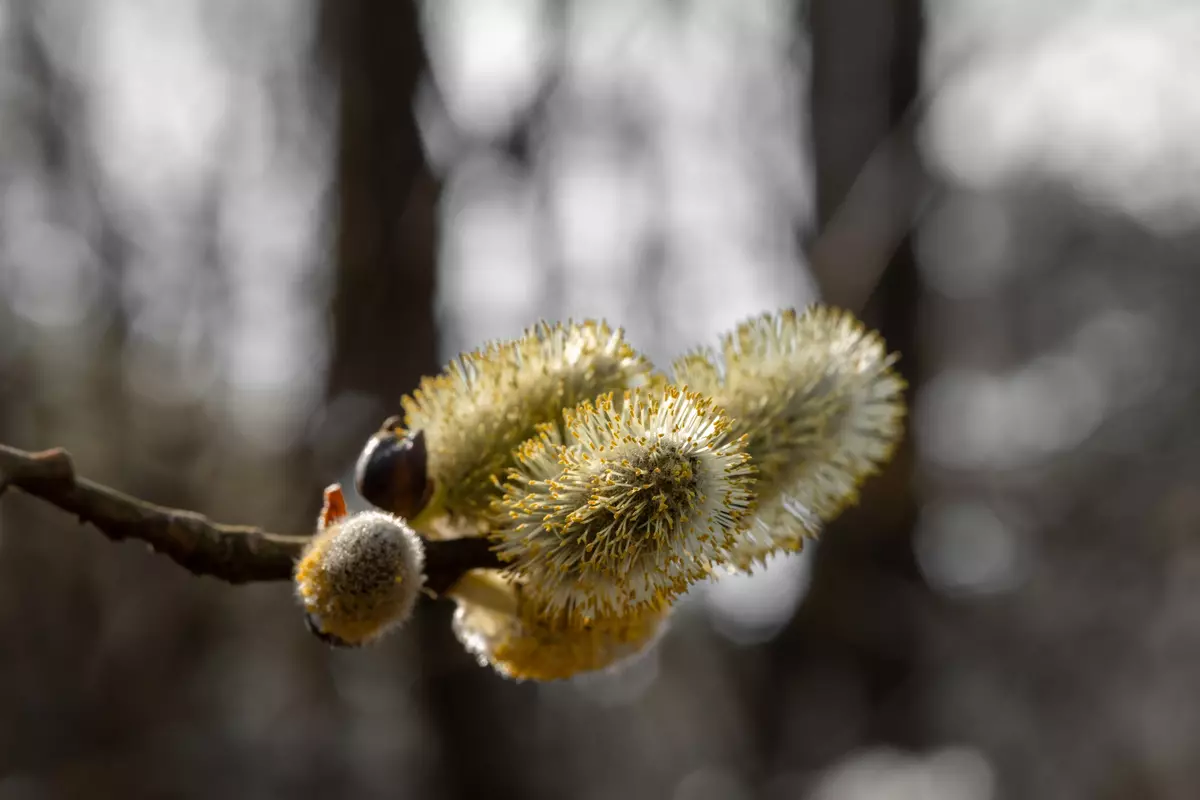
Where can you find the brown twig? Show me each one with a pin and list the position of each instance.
(232, 553)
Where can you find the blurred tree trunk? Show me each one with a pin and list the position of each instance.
(385, 338)
(384, 332)
(856, 632)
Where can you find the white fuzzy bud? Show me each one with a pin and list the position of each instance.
(360, 578)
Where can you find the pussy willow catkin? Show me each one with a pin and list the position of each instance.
(821, 408)
(627, 508)
(484, 404)
(360, 577)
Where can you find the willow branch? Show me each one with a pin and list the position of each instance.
(232, 553)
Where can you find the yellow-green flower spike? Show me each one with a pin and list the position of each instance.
(634, 504)
(817, 398)
(505, 630)
(485, 403)
(360, 578)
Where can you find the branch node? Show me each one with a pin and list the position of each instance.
(55, 464)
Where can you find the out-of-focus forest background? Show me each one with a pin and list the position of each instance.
(232, 234)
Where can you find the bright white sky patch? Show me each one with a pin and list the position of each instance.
(1103, 100)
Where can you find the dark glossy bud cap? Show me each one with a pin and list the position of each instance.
(393, 472)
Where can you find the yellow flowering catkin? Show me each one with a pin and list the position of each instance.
(485, 403)
(627, 507)
(507, 631)
(821, 407)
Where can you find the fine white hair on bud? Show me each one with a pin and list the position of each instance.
(505, 630)
(821, 407)
(628, 507)
(360, 578)
(485, 403)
